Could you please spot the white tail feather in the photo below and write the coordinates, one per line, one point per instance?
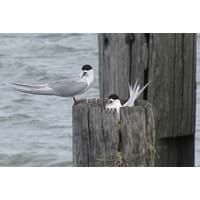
(30, 85)
(134, 93)
(40, 91)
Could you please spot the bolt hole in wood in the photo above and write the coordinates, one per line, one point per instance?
(106, 41)
(130, 38)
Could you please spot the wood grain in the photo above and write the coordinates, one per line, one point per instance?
(169, 62)
(99, 139)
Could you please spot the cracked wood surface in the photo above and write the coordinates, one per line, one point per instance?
(169, 62)
(99, 139)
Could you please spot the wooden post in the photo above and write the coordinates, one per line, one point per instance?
(168, 60)
(100, 139)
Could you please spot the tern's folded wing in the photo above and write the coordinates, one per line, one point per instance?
(69, 87)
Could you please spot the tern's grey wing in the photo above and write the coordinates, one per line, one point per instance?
(69, 87)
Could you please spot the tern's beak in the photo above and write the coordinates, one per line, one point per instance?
(84, 73)
(109, 101)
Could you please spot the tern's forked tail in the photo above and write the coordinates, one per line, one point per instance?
(34, 89)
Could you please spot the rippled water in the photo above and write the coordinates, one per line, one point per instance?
(37, 130)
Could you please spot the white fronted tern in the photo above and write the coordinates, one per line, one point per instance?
(114, 102)
(68, 87)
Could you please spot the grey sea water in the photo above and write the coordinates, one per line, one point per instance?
(37, 130)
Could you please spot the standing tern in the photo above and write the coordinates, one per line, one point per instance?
(114, 102)
(68, 87)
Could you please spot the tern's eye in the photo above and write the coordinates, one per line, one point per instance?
(110, 100)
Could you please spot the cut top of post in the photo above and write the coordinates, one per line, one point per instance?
(100, 139)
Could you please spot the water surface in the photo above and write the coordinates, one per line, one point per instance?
(37, 130)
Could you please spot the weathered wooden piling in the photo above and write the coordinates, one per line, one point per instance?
(100, 139)
(169, 62)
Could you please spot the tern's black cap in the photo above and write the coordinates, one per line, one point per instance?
(86, 67)
(113, 96)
